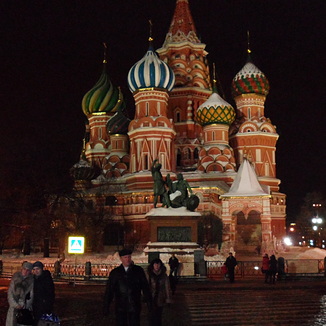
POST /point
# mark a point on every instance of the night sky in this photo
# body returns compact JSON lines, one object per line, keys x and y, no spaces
{"x":51,"y":55}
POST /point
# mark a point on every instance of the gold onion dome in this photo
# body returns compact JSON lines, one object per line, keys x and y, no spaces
{"x":250,"y":80}
{"x":103,"y":97}
{"x":215,"y":110}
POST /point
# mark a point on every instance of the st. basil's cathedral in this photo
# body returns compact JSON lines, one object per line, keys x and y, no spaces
{"x":226,"y":154}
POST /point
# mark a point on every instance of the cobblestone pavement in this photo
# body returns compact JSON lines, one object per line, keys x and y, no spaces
{"x":246,"y":302}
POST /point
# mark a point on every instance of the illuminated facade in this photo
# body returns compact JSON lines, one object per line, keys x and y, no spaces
{"x":226,"y":154}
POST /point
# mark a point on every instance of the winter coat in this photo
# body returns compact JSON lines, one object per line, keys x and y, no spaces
{"x":126,"y":288}
{"x":20,"y":293}
{"x":273,"y":265}
{"x":43,"y":294}
{"x":230,"y":263}
{"x":265,"y":264}
{"x":173,"y":263}
{"x":160,"y":287}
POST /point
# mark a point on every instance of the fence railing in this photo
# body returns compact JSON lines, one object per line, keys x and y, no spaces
{"x":100,"y":272}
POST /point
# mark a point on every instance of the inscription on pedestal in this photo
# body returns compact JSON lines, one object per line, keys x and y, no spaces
{"x":174,"y":234}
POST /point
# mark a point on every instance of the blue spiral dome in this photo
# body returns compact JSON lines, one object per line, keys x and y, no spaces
{"x":150,"y":71}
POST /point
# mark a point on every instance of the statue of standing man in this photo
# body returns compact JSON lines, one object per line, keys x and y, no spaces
{"x":159,"y":185}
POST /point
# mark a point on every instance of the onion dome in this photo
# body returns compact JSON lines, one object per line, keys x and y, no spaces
{"x":149,"y":72}
{"x":215,"y":110}
{"x":118,"y":124}
{"x":83,"y":170}
{"x":103,"y":97}
{"x":250,"y":80}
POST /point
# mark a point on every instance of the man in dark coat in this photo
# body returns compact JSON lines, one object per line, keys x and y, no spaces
{"x":43,"y":291}
{"x":125,"y":284}
{"x":230,"y":263}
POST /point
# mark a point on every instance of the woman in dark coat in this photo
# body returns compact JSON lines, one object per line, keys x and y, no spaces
{"x":272,"y":269}
{"x":265,"y":267}
{"x":43,"y":291}
{"x":160,"y":290}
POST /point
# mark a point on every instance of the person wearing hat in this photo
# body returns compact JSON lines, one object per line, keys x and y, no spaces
{"x":43,"y":291}
{"x":126,"y":283}
{"x":20,"y":292}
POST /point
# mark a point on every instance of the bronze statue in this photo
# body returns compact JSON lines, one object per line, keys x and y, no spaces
{"x":159,"y":185}
{"x":172,"y":193}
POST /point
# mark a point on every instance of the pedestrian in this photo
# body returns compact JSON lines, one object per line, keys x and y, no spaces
{"x":173,"y":275}
{"x":126,"y":283}
{"x":230,"y":263}
{"x":224,"y":271}
{"x":280,"y":268}
{"x":44,"y":292}
{"x":20,"y":293}
{"x":272,"y":269}
{"x":160,"y":290}
{"x":265,"y":267}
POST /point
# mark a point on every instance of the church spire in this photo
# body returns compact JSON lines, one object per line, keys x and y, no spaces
{"x":182,"y":27}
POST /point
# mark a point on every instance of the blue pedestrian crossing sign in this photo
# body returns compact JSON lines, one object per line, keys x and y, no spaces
{"x":76,"y":245}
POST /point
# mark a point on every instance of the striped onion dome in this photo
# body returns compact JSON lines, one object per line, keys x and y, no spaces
{"x":103,"y":97}
{"x":118,"y":124}
{"x":250,"y":80}
{"x":215,"y":110}
{"x":150,"y":71}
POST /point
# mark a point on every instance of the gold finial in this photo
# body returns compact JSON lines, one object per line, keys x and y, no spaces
{"x":150,"y":39}
{"x":105,"y":48}
{"x":248,"y":42}
{"x":214,"y":73}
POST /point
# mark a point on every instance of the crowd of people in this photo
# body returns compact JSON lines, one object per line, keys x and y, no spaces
{"x":127,"y":284}
{"x":272,"y":267}
{"x":30,"y":295}
{"x":32,"y":288}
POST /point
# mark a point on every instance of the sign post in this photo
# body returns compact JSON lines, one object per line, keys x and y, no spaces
{"x":76,"y":245}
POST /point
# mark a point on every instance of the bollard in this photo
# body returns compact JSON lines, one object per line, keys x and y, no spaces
{"x":325,"y":266}
{"x":88,"y":271}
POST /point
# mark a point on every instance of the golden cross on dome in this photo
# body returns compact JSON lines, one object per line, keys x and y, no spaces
{"x":105,"y":48}
{"x":248,"y":42}
{"x":150,"y":30}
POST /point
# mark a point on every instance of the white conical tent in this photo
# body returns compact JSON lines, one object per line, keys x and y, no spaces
{"x":245,"y":183}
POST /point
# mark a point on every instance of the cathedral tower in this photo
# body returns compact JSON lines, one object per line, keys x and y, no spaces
{"x":151,"y":132}
{"x":186,"y":55}
{"x":99,"y":104}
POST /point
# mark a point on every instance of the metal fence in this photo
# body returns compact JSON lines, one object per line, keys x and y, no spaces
{"x":100,"y":272}
{"x":247,"y":269}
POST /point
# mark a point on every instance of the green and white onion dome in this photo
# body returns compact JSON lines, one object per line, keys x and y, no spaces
{"x":215,"y":110}
{"x":149,"y":72}
{"x":103,"y":97}
{"x":250,"y":80}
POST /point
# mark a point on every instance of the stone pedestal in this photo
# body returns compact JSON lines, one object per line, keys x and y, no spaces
{"x":174,"y":230}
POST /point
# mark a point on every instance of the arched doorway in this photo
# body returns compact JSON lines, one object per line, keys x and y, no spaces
{"x":248,"y":231}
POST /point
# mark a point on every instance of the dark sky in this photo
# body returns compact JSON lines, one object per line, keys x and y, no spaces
{"x":51,"y":54}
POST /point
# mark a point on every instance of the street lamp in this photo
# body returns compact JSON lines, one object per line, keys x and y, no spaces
{"x":316,"y":222}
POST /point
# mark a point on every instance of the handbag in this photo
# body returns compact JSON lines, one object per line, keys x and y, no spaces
{"x":24,"y":317}
{"x":49,"y":320}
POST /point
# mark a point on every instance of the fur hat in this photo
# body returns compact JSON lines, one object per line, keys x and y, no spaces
{"x":27,"y":265}
{"x":125,"y":252}
{"x":38,"y":264}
